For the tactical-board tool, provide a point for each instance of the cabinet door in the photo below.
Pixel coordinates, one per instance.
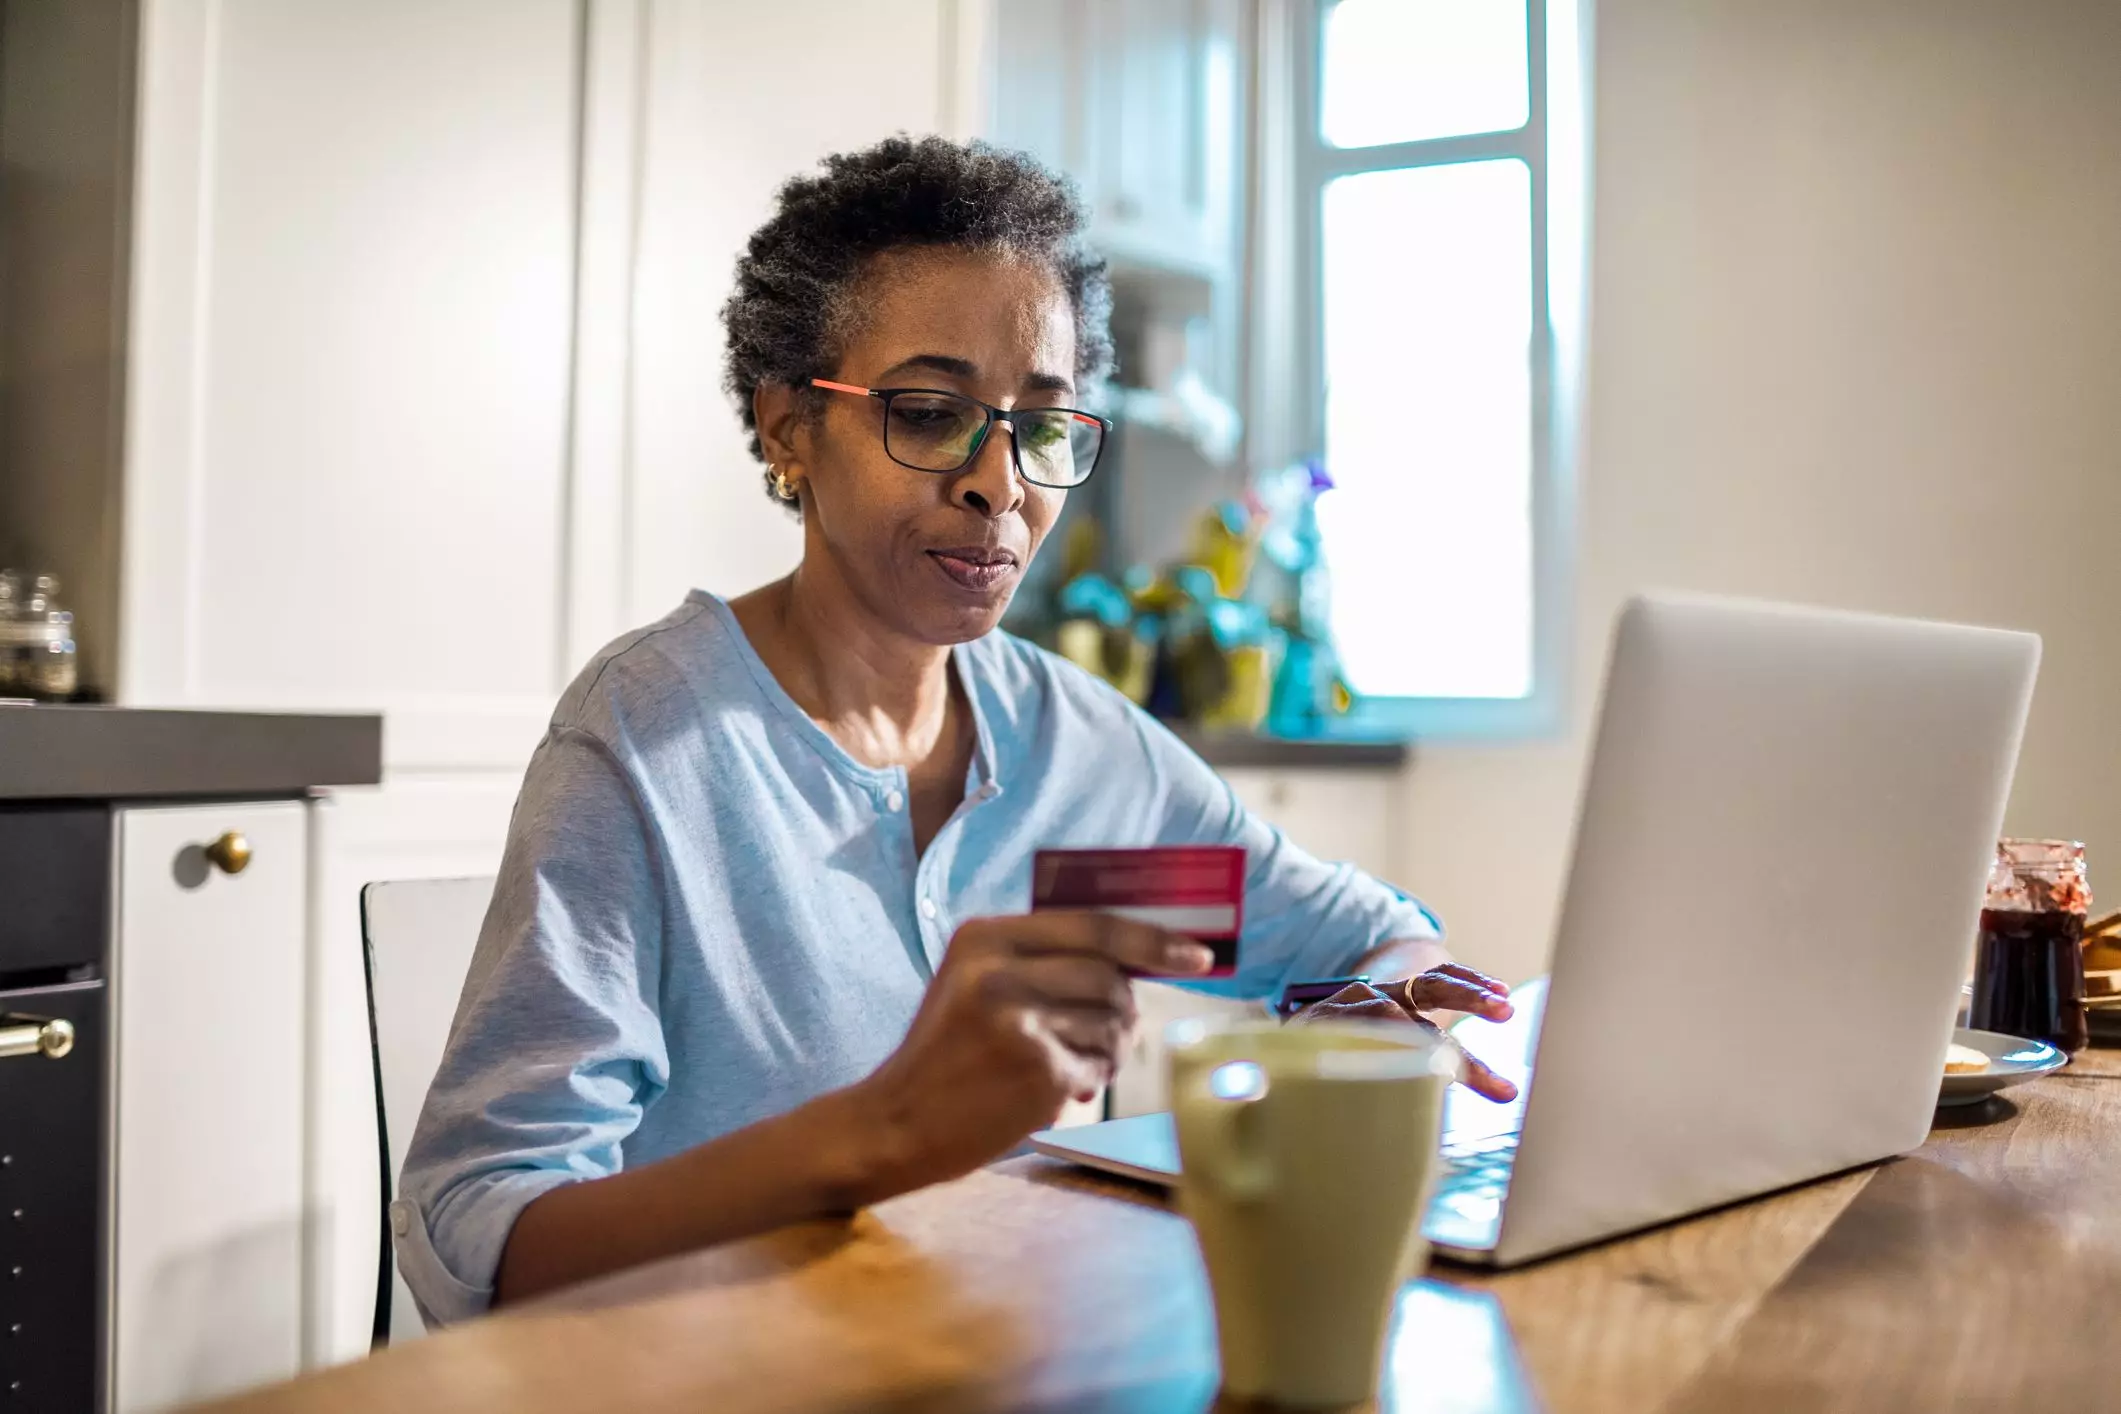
(1142, 102)
(1164, 122)
(1150, 139)
(209, 980)
(352, 314)
(1333, 814)
(1041, 72)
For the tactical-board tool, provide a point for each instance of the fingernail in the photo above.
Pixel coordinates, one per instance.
(1190, 957)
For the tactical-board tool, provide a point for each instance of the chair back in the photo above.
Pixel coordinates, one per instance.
(417, 937)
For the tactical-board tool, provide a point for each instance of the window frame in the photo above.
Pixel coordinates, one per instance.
(1316, 163)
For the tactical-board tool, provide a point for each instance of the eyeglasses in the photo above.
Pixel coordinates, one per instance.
(931, 430)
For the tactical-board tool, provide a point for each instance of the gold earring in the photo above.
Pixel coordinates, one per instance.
(782, 486)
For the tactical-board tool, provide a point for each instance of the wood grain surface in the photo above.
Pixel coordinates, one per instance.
(1979, 1273)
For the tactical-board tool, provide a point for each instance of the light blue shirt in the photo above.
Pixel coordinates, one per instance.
(709, 913)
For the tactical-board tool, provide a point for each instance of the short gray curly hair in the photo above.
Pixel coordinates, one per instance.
(793, 279)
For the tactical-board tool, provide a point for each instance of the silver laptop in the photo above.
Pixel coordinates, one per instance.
(1780, 856)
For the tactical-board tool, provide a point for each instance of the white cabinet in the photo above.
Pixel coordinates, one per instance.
(208, 1223)
(365, 469)
(1142, 102)
(352, 309)
(1164, 119)
(1042, 54)
(1335, 814)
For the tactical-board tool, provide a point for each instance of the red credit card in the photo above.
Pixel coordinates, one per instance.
(1197, 890)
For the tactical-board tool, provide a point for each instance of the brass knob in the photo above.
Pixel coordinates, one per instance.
(34, 1036)
(231, 853)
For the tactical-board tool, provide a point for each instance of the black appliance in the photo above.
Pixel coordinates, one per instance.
(55, 887)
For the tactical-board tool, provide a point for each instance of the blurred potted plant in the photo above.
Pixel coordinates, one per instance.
(1234, 637)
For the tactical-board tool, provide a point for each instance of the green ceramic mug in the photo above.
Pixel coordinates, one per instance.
(1308, 1157)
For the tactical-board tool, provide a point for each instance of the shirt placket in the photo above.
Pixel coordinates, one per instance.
(931, 877)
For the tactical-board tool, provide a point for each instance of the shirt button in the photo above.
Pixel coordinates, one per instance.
(894, 802)
(928, 909)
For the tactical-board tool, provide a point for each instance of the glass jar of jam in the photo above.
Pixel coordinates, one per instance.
(2029, 963)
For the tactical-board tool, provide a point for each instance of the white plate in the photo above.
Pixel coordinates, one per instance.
(2010, 1060)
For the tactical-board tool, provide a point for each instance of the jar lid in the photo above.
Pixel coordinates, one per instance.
(2039, 876)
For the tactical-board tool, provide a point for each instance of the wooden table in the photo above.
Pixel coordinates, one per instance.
(1983, 1272)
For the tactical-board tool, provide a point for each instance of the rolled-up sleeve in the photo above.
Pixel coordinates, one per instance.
(1304, 918)
(557, 1047)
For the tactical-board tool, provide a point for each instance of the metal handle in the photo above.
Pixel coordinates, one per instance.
(231, 853)
(35, 1036)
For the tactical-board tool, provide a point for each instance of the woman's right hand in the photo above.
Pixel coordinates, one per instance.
(1024, 1013)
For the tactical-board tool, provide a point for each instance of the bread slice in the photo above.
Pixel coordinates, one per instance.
(1964, 1060)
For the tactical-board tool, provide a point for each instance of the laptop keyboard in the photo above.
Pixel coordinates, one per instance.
(1476, 1172)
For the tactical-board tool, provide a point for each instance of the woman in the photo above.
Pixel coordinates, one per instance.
(758, 951)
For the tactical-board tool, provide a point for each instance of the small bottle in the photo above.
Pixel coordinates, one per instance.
(55, 667)
(43, 592)
(12, 649)
(46, 663)
(2029, 962)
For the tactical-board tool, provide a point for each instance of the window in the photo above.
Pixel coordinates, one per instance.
(1423, 175)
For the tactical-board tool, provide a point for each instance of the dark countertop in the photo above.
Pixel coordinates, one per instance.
(71, 752)
(88, 753)
(1249, 751)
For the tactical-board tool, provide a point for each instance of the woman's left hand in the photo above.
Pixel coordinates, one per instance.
(1451, 987)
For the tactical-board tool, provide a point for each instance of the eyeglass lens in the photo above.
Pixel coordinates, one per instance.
(942, 432)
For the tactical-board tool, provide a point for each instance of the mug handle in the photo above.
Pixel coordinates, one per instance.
(1228, 1130)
